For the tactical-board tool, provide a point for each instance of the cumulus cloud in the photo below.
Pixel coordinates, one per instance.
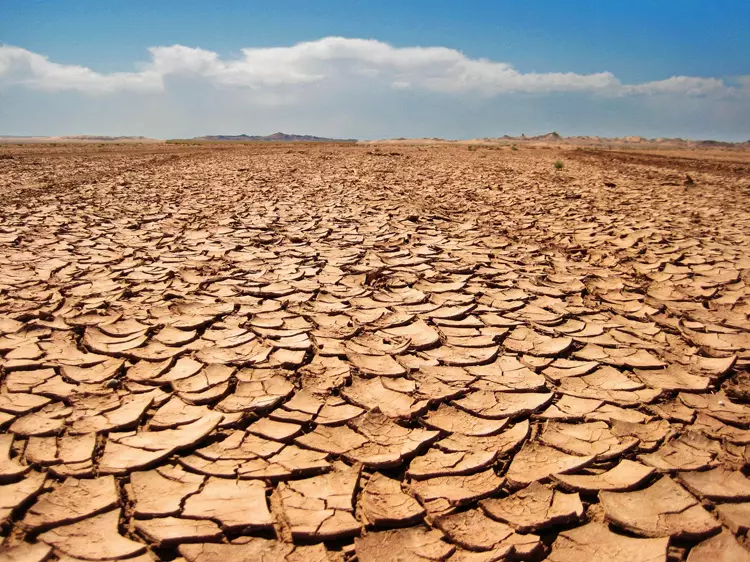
(19, 66)
(338, 61)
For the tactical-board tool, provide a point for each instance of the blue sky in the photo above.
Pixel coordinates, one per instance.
(579, 67)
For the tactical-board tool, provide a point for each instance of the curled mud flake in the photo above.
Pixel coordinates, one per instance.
(593, 438)
(183, 368)
(126, 415)
(715, 429)
(462, 356)
(720, 548)
(240, 445)
(129, 451)
(94, 538)
(146, 371)
(274, 430)
(534, 508)
(595, 541)
(717, 484)
(415, 543)
(336, 411)
(290, 462)
(486, 539)
(674, 377)
(673, 411)
(235, 504)
(10, 468)
(252, 352)
(335, 440)
(96, 374)
(420, 335)
(689, 451)
(506, 374)
(718, 406)
(536, 461)
(99, 342)
(569, 408)
(444, 493)
(611, 414)
(377, 344)
(160, 492)
(384, 503)
(175, 337)
(25, 552)
(28, 380)
(387, 443)
(167, 531)
(253, 549)
(72, 501)
(324, 374)
(499, 444)
(257, 395)
(438, 463)
(378, 393)
(21, 402)
(498, 405)
(473, 530)
(123, 327)
(563, 368)
(206, 378)
(453, 420)
(664, 509)
(626, 475)
(174, 413)
(321, 507)
(649, 434)
(383, 365)
(50, 420)
(619, 357)
(12, 496)
(525, 340)
(736, 516)
(609, 385)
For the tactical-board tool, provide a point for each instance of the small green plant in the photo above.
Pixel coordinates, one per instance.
(559, 165)
(513, 147)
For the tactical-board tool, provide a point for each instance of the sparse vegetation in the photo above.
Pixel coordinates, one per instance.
(559, 165)
(513, 147)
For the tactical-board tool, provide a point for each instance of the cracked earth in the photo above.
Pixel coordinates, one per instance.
(328, 353)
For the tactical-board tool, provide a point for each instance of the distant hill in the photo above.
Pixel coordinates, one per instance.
(555, 138)
(276, 137)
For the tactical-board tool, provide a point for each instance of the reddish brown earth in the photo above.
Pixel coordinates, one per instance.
(292, 353)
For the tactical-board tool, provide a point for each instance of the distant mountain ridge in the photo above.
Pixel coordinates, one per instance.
(276, 137)
(584, 141)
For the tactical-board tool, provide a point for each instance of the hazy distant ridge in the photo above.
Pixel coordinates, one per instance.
(276, 137)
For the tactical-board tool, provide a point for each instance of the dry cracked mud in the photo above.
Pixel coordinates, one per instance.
(337, 352)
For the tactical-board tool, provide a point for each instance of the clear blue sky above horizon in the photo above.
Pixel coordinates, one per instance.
(579, 67)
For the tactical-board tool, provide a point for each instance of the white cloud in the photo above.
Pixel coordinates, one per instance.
(337, 62)
(687, 85)
(19, 66)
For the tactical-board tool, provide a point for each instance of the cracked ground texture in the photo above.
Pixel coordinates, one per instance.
(373, 352)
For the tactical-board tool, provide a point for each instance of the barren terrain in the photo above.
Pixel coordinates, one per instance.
(375, 352)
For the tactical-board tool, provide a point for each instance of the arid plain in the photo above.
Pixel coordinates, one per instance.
(383, 352)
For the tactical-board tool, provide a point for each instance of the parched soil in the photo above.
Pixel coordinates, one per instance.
(323, 353)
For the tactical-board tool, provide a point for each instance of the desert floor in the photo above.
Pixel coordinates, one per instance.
(376, 352)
